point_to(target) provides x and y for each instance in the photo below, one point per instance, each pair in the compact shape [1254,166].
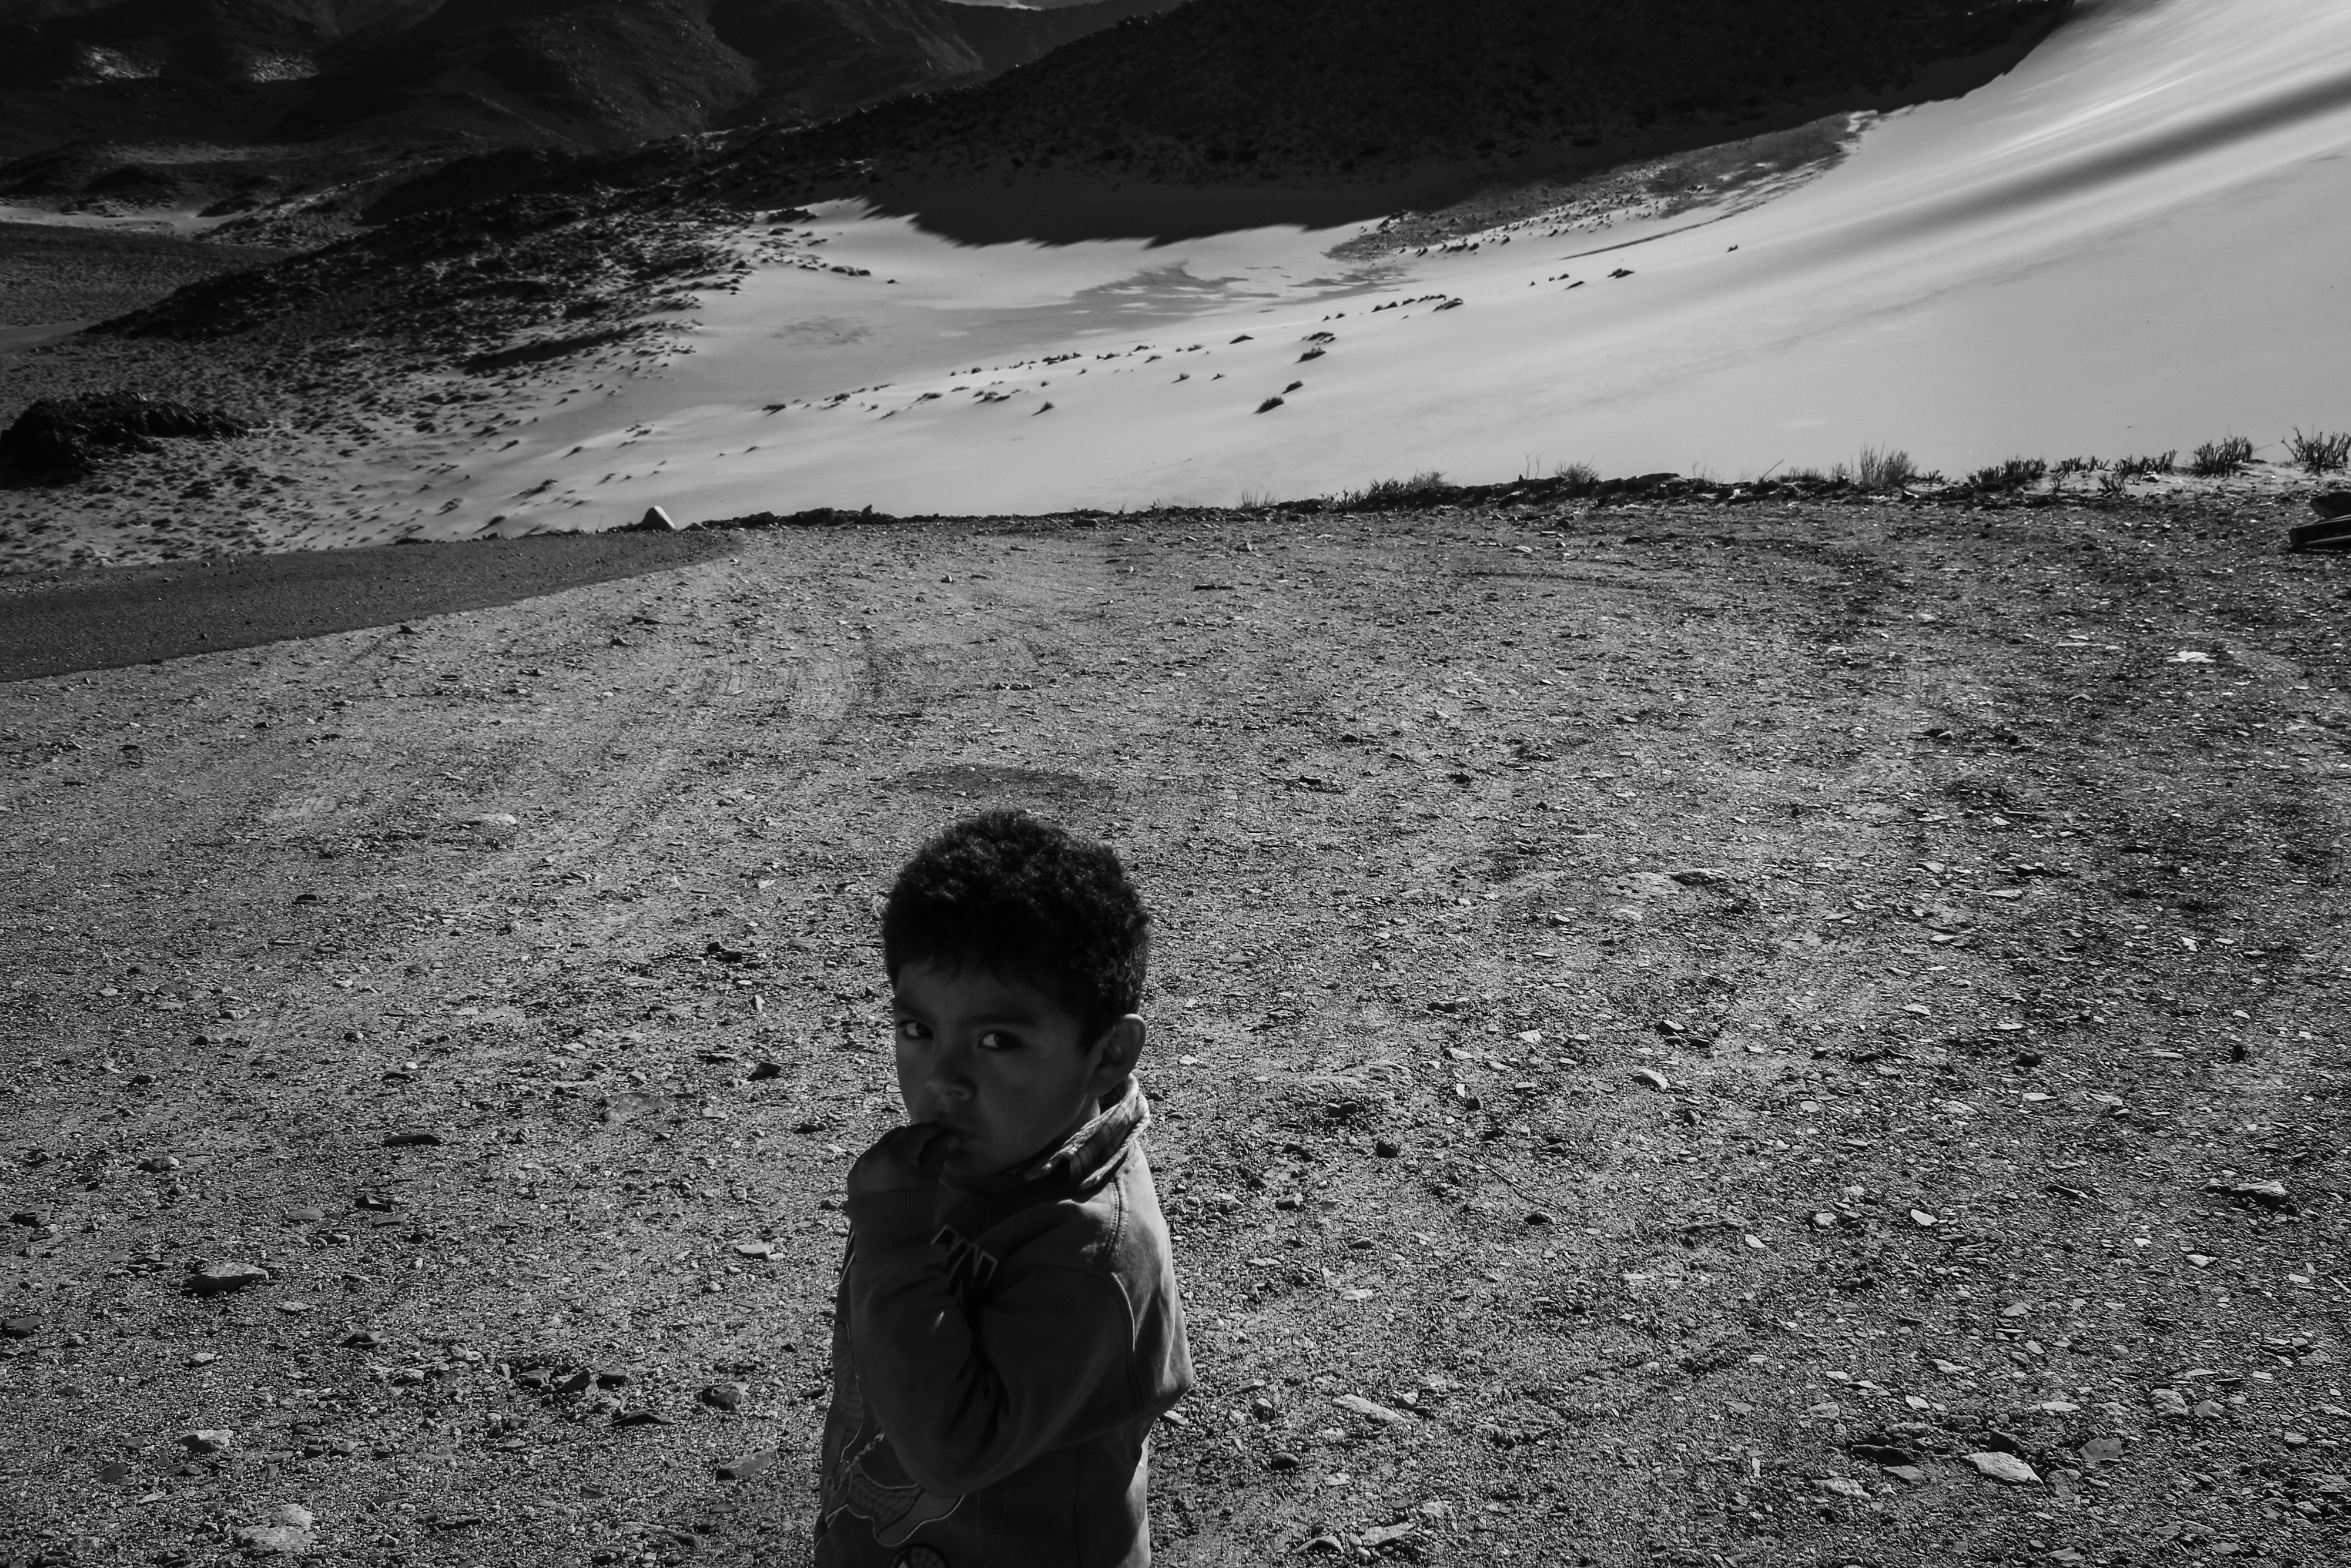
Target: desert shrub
[2225,455]
[63,436]
[1883,470]
[1272,403]
[1811,476]
[2113,482]
[2014,475]
[1577,477]
[2067,465]
[2321,451]
[1418,491]
[2135,468]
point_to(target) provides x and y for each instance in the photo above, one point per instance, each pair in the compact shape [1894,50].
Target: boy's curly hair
[1022,899]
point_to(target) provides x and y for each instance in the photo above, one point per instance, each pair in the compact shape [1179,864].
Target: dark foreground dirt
[1673,1027]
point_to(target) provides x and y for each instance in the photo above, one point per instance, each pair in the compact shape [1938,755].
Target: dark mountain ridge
[572,74]
[1239,89]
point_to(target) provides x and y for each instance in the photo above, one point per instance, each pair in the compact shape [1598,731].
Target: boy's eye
[909,1029]
[996,1039]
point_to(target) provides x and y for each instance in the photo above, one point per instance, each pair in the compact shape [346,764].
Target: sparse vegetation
[2015,474]
[2226,456]
[2321,451]
[2138,467]
[1420,490]
[1576,476]
[1889,469]
[2067,467]
[1272,403]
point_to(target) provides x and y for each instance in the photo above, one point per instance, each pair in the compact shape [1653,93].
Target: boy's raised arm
[966,1403]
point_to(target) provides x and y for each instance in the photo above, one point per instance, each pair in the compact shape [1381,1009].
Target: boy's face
[1001,1064]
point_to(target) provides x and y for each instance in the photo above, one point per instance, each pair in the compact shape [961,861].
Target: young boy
[1006,1327]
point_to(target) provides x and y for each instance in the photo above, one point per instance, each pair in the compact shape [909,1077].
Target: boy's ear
[1117,1051]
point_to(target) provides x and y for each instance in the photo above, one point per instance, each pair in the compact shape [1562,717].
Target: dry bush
[2226,456]
[2015,474]
[2320,452]
[1883,470]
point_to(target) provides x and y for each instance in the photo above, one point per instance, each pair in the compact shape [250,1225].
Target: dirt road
[1672,1030]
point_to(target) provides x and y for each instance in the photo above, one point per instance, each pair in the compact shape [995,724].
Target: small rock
[2006,1468]
[1910,1474]
[641,1418]
[657,521]
[2267,1194]
[288,1533]
[220,1279]
[1697,875]
[305,1216]
[1282,1461]
[363,1338]
[2101,1451]
[293,1309]
[756,1249]
[2167,1401]
[1386,1148]
[1921,1218]
[1653,1079]
[1371,1408]
[725,1395]
[1538,1218]
[761,1071]
[114,1472]
[204,1358]
[757,1462]
[411,1140]
[495,820]
[1843,1487]
[20,1328]
[210,1440]
[2210,1410]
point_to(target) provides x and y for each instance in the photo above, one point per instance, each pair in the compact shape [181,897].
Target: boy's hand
[907,1159]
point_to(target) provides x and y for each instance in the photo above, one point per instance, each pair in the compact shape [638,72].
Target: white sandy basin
[2136,240]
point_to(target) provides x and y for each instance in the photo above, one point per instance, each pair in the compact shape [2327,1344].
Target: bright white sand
[2138,239]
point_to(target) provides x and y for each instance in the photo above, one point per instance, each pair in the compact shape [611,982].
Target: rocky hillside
[574,74]
[1238,91]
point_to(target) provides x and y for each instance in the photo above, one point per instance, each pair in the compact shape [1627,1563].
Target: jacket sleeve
[967,1398]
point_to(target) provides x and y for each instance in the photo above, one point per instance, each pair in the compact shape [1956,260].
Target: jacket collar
[1090,1155]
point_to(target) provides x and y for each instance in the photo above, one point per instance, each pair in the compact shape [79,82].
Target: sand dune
[2133,241]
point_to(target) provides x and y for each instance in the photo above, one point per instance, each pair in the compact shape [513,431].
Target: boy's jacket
[999,1351]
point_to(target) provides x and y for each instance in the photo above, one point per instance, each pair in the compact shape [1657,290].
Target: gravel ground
[1802,1034]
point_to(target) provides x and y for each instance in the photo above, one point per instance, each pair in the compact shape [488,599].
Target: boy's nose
[950,1079]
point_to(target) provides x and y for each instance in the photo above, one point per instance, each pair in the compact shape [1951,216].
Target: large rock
[64,435]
